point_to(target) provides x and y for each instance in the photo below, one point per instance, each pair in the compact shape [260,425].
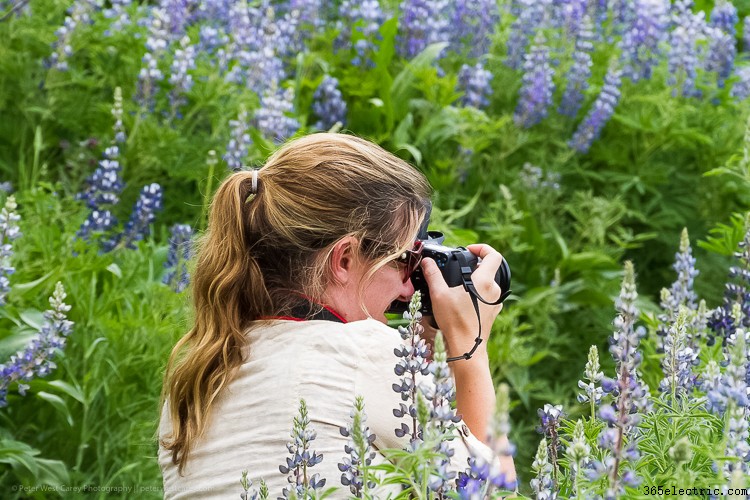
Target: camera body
[447,260]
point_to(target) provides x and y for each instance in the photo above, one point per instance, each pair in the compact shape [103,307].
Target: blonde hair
[261,250]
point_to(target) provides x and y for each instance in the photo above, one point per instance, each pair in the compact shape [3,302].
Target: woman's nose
[407,290]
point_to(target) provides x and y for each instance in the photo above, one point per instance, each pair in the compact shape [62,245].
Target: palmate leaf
[725,237]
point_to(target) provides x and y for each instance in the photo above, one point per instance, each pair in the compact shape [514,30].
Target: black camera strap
[466,272]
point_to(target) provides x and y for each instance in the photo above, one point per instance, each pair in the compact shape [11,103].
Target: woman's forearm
[475,393]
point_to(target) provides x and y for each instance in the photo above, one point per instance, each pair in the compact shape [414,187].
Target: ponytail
[228,293]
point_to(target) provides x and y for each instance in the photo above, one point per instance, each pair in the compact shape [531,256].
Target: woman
[299,263]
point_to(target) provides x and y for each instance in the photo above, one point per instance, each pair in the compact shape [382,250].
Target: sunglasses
[410,260]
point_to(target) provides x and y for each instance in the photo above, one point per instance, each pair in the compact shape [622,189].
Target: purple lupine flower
[328,104]
[678,358]
[592,392]
[156,46]
[473,22]
[722,50]
[642,39]
[178,13]
[118,12]
[474,82]
[359,451]
[359,20]
[273,119]
[746,34]
[722,322]
[422,22]
[741,88]
[550,417]
[144,214]
[632,394]
[602,110]
[412,356]
[688,29]
[256,43]
[35,360]
[542,484]
[310,12]
[79,13]
[97,221]
[682,289]
[729,397]
[6,187]
[480,479]
[724,17]
[177,275]
[104,186]
[250,493]
[536,91]
[180,79]
[580,72]
[568,15]
[218,11]
[532,15]
[237,148]
[302,458]
[212,39]
[9,231]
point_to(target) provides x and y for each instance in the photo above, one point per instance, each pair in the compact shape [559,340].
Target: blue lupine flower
[746,34]
[682,289]
[35,360]
[212,39]
[578,453]
[104,186]
[413,360]
[144,214]
[592,393]
[309,12]
[633,397]
[678,358]
[569,15]
[602,110]
[180,79]
[79,13]
[257,41]
[474,82]
[273,119]
[722,321]
[302,458]
[688,29]
[237,148]
[119,15]
[741,88]
[473,22]
[213,10]
[249,493]
[9,231]
[531,16]
[119,128]
[729,398]
[724,17]
[178,13]
[328,104]
[359,451]
[543,484]
[156,46]
[362,20]
[722,50]
[177,276]
[422,22]
[536,91]
[642,39]
[580,72]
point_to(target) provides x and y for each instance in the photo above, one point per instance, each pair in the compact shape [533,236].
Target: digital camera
[449,261]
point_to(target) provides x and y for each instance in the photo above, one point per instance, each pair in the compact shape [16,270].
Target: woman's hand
[453,308]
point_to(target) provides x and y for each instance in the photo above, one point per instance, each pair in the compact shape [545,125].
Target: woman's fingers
[484,275]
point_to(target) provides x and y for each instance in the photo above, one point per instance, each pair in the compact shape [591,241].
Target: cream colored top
[327,364]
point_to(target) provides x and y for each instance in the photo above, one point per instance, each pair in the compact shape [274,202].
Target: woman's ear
[343,260]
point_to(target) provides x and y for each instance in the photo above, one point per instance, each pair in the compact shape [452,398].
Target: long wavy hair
[260,251]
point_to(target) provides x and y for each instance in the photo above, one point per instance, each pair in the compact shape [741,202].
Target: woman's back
[326,363]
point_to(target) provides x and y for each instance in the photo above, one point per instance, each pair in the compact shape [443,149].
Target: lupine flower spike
[542,484]
[537,88]
[474,82]
[602,110]
[423,22]
[328,104]
[237,148]
[9,231]
[359,451]
[144,214]
[550,417]
[302,458]
[248,493]
[35,360]
[177,276]
[678,359]
[273,118]
[413,355]
[578,453]
[592,391]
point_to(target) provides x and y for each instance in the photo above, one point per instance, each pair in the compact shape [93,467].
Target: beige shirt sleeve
[375,380]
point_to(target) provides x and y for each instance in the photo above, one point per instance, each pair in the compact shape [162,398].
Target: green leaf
[33,317]
[65,388]
[14,343]
[59,404]
[115,269]
[53,472]
[23,287]
[413,151]
[404,81]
